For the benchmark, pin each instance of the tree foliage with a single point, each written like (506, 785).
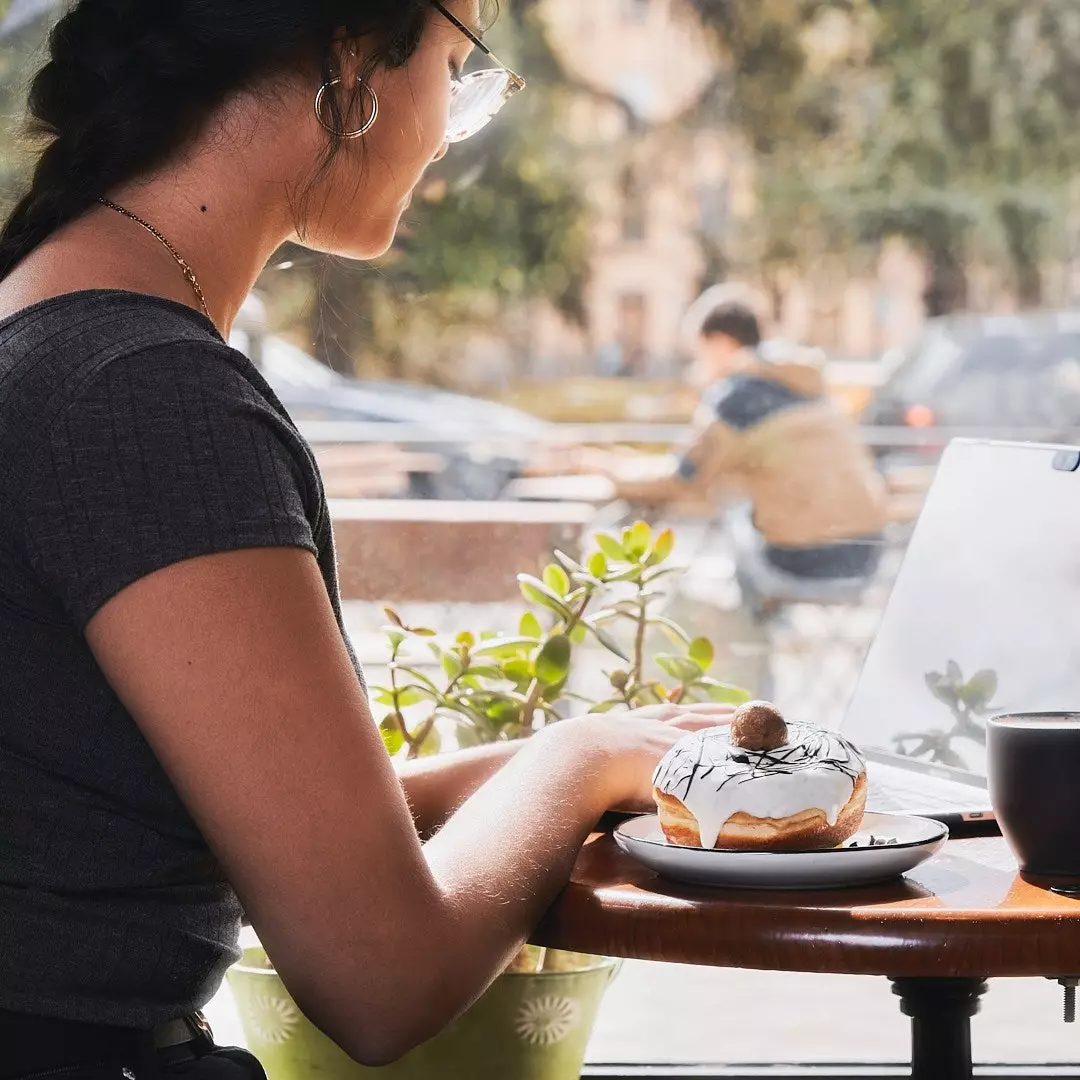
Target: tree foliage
(950, 124)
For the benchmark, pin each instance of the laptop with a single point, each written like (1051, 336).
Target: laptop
(984, 618)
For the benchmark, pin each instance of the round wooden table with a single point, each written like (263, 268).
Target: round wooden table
(937, 934)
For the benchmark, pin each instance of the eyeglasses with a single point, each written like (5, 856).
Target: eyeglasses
(477, 97)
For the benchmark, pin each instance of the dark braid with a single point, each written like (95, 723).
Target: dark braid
(129, 83)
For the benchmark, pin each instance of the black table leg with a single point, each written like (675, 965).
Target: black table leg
(940, 1011)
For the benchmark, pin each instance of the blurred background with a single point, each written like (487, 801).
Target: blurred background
(894, 186)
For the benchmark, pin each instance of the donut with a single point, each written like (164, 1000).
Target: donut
(761, 785)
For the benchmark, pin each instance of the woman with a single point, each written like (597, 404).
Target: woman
(184, 733)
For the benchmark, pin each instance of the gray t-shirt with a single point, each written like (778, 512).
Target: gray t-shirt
(131, 438)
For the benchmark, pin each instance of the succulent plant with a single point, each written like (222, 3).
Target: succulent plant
(496, 687)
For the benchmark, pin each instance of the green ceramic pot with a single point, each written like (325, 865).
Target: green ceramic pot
(526, 1027)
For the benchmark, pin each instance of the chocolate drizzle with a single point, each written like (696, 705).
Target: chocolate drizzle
(709, 756)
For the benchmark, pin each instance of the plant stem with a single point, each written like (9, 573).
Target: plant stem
(396, 693)
(528, 712)
(637, 675)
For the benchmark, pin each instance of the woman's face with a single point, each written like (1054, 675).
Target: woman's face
(358, 205)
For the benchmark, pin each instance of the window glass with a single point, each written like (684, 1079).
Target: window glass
(549, 350)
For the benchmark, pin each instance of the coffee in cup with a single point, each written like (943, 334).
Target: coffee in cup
(1033, 769)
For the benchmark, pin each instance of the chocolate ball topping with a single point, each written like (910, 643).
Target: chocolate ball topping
(758, 725)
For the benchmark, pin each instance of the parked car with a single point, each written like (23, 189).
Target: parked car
(477, 447)
(1004, 372)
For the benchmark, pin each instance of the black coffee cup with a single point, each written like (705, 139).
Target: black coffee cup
(1033, 769)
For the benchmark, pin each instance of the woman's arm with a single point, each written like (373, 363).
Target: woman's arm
(436, 787)
(235, 670)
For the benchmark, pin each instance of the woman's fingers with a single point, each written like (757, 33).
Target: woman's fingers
(698, 722)
(673, 712)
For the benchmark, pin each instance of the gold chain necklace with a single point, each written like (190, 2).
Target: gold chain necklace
(189, 274)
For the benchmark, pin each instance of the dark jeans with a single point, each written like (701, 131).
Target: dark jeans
(36, 1048)
(845, 559)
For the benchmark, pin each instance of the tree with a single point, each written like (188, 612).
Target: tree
(975, 150)
(949, 124)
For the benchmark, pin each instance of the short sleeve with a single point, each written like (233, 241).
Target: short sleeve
(162, 456)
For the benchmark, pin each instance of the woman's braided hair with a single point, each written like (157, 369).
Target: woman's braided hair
(128, 83)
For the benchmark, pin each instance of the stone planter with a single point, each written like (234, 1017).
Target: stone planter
(528, 1026)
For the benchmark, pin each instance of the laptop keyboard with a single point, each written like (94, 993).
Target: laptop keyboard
(893, 791)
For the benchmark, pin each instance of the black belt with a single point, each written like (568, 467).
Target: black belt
(34, 1044)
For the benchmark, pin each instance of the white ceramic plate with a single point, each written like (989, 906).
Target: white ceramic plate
(886, 846)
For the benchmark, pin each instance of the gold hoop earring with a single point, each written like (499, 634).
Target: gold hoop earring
(320, 100)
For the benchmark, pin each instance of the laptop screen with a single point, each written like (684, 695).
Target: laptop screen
(985, 613)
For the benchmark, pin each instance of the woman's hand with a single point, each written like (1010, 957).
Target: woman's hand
(630, 745)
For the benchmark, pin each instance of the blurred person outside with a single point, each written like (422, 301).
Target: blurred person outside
(804, 501)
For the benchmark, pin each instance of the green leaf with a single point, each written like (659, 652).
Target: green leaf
(469, 736)
(678, 667)
(413, 695)
(553, 663)
(610, 547)
(655, 573)
(605, 639)
(598, 564)
(662, 548)
(530, 626)
(953, 672)
(392, 737)
(423, 631)
(979, 690)
(452, 665)
(536, 592)
(646, 695)
(519, 670)
(553, 692)
(419, 676)
(671, 629)
(466, 639)
(725, 693)
(579, 633)
(556, 579)
(504, 711)
(486, 671)
(586, 580)
(606, 706)
(395, 637)
(702, 653)
(631, 573)
(502, 648)
(568, 564)
(432, 743)
(637, 539)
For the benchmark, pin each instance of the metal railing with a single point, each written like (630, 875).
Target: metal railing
(333, 432)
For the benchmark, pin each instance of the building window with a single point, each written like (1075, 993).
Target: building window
(633, 328)
(634, 207)
(714, 209)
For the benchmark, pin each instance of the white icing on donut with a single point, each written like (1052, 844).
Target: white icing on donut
(715, 779)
